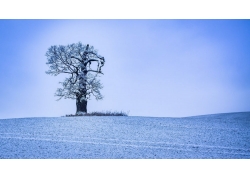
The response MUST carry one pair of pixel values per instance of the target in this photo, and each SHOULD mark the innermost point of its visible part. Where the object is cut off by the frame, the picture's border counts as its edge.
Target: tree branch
(90, 60)
(94, 71)
(76, 58)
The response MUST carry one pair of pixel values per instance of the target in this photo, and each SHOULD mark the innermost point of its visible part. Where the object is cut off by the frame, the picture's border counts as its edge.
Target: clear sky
(163, 68)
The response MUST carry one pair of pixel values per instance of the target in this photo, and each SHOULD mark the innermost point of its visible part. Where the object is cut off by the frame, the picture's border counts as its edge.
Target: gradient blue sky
(164, 68)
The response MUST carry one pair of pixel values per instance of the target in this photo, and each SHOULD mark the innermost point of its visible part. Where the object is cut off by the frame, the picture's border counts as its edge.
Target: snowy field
(209, 136)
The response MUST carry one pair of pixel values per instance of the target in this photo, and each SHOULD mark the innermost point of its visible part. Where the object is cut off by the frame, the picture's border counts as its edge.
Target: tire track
(132, 143)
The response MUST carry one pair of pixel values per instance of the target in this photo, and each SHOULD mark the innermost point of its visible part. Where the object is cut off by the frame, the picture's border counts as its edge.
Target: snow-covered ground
(209, 136)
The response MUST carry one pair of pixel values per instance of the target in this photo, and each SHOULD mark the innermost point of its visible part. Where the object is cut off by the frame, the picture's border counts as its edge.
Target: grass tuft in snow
(95, 113)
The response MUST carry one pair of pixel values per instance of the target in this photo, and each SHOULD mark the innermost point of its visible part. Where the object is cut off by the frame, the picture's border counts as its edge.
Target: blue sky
(164, 68)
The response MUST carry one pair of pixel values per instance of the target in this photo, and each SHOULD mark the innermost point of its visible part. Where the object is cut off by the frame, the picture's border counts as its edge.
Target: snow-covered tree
(76, 60)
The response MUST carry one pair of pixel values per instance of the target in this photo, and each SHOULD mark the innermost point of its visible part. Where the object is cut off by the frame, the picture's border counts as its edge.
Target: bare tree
(76, 60)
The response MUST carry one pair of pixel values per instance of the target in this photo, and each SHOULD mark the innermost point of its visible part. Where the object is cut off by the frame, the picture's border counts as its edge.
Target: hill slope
(208, 136)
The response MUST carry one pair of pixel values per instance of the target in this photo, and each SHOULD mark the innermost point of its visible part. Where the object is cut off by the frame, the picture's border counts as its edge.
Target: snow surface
(209, 136)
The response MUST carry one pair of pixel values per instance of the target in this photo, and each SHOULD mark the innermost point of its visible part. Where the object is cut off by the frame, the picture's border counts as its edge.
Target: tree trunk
(81, 101)
(81, 106)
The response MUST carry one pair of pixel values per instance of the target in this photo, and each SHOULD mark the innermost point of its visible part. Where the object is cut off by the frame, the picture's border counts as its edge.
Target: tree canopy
(77, 61)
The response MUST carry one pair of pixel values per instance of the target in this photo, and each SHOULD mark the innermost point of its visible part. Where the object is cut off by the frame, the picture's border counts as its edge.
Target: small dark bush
(107, 113)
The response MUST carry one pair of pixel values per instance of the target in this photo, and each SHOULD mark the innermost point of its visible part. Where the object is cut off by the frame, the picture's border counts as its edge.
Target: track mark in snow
(125, 145)
(193, 127)
(131, 141)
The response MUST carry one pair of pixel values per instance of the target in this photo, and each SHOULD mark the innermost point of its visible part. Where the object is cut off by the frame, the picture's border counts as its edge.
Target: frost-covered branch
(76, 60)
